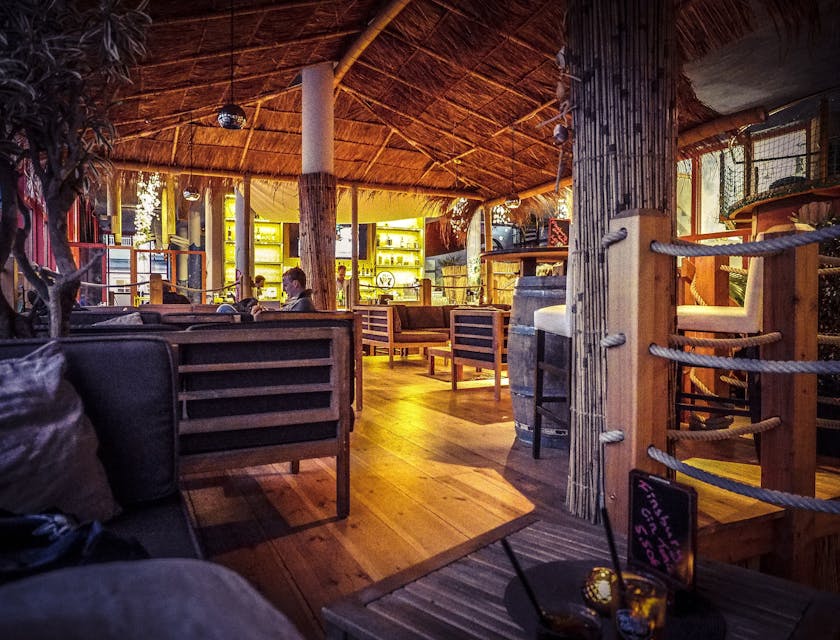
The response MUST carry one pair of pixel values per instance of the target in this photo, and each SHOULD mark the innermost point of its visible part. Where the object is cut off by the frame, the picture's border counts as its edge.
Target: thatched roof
(441, 97)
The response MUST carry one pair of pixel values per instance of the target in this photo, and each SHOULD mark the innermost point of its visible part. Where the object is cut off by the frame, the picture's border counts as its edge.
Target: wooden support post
(426, 291)
(489, 284)
(641, 306)
(214, 239)
(155, 288)
(788, 452)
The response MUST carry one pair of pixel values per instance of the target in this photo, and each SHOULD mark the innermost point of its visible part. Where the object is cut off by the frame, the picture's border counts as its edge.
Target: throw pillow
(129, 318)
(48, 447)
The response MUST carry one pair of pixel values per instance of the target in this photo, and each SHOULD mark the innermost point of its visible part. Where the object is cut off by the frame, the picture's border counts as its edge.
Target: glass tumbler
(639, 614)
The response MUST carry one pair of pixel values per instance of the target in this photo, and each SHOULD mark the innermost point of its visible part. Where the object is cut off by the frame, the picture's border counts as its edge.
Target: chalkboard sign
(663, 528)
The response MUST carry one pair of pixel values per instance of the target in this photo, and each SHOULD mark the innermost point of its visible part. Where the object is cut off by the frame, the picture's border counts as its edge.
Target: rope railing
(738, 270)
(100, 285)
(732, 381)
(723, 434)
(770, 496)
(828, 339)
(830, 260)
(724, 343)
(826, 400)
(829, 367)
(825, 423)
(755, 248)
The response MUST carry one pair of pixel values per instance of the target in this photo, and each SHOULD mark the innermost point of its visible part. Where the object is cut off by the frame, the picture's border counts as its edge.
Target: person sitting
(171, 295)
(298, 297)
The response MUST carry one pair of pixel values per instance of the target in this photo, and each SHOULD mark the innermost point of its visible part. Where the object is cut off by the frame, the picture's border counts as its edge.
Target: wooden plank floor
(430, 469)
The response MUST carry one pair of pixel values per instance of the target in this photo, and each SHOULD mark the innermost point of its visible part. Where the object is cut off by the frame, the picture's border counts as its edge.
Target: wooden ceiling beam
(474, 74)
(251, 128)
(174, 145)
(377, 26)
(378, 153)
(434, 128)
(225, 53)
(225, 15)
(234, 175)
(519, 41)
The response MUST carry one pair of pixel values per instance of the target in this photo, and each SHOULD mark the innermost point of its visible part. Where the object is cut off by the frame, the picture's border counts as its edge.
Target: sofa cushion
(400, 318)
(48, 447)
(158, 598)
(424, 317)
(424, 335)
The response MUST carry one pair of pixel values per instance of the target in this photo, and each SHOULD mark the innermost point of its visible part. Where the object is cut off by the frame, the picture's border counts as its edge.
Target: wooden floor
(430, 469)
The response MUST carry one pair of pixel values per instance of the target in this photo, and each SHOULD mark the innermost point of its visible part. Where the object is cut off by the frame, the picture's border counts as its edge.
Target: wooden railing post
(155, 288)
(788, 452)
(639, 391)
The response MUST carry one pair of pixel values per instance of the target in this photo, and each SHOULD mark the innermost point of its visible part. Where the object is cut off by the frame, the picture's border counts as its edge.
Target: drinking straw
(544, 621)
(605, 516)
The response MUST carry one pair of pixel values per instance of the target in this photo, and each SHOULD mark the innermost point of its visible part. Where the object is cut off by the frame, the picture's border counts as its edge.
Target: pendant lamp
(191, 194)
(231, 115)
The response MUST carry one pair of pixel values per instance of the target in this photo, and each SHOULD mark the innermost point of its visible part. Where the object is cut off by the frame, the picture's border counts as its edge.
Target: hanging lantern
(231, 115)
(191, 193)
(512, 201)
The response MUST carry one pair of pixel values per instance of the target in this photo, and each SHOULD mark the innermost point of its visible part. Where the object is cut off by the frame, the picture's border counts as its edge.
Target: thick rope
(728, 269)
(611, 437)
(698, 299)
(744, 364)
(759, 247)
(699, 383)
(831, 260)
(770, 496)
(724, 434)
(613, 236)
(613, 340)
(829, 271)
(732, 381)
(826, 400)
(825, 423)
(696, 422)
(824, 338)
(99, 285)
(724, 343)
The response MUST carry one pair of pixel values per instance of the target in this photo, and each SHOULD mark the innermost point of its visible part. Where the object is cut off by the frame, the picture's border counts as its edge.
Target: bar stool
(555, 320)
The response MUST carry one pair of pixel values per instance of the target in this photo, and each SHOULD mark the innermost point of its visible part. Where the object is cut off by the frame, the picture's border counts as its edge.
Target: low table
(460, 593)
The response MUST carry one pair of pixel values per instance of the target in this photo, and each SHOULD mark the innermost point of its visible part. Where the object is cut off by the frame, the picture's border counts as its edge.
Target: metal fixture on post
(231, 115)
(190, 192)
(512, 200)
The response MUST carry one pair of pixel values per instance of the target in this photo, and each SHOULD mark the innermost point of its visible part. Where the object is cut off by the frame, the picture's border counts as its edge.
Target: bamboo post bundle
(317, 236)
(624, 158)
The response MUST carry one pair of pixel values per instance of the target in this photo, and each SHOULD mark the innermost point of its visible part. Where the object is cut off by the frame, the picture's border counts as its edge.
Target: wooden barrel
(532, 293)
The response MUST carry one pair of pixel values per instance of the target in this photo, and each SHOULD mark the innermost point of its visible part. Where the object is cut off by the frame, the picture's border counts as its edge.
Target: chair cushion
(717, 319)
(48, 447)
(554, 319)
(423, 336)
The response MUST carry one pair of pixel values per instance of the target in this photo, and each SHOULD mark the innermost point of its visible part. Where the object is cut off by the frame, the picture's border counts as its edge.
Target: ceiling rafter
(519, 41)
(362, 100)
(437, 129)
(475, 74)
(225, 15)
(376, 26)
(252, 126)
(257, 48)
(174, 145)
(378, 153)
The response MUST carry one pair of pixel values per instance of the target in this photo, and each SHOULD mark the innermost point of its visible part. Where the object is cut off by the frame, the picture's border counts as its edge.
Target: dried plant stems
(624, 158)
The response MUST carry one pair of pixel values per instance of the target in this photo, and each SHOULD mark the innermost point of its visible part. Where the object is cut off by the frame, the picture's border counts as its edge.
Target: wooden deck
(430, 469)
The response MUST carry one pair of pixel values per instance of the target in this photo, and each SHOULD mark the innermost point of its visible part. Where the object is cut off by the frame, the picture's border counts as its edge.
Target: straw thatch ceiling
(439, 97)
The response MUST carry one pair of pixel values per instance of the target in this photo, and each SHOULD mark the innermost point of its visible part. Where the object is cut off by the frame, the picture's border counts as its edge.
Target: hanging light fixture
(512, 200)
(191, 194)
(231, 115)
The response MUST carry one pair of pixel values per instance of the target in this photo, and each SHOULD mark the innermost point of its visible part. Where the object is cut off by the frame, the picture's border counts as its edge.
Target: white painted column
(318, 155)
(244, 245)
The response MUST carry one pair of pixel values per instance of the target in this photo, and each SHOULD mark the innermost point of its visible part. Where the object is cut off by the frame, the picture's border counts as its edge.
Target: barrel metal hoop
(522, 330)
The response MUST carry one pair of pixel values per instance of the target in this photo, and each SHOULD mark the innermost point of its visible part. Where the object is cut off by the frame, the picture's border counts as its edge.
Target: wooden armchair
(478, 338)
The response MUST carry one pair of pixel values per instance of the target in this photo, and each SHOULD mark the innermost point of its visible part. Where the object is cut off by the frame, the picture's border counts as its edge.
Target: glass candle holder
(570, 621)
(597, 589)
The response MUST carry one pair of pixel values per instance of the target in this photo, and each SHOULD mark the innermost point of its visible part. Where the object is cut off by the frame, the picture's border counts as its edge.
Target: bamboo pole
(624, 158)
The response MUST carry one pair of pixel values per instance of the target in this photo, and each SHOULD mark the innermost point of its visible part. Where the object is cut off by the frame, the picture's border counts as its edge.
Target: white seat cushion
(554, 319)
(695, 317)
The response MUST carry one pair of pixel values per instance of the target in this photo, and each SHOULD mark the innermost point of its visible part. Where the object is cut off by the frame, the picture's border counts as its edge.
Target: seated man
(299, 298)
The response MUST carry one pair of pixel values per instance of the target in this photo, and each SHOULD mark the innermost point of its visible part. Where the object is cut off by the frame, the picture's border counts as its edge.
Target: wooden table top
(460, 594)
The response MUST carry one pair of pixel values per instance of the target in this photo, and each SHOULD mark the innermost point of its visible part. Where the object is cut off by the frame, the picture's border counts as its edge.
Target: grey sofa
(128, 388)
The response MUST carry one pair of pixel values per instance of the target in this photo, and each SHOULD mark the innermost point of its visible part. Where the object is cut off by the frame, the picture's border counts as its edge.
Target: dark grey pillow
(48, 446)
(129, 318)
